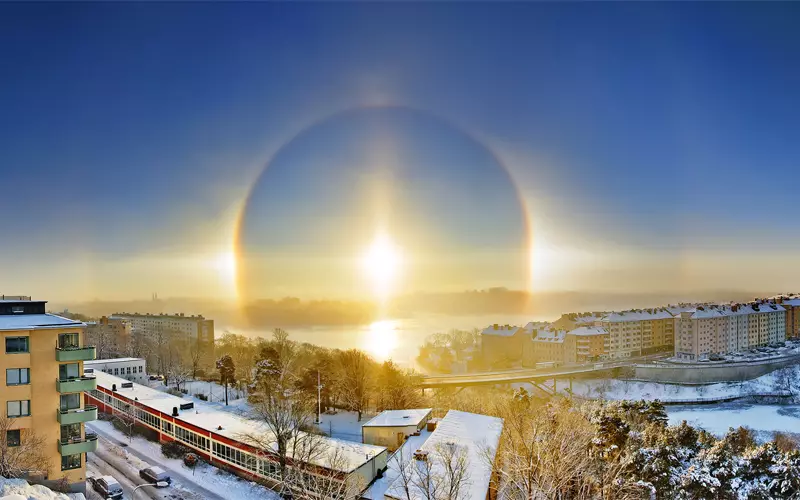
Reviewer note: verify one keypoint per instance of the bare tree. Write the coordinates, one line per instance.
(23, 456)
(355, 379)
(125, 418)
(454, 463)
(195, 356)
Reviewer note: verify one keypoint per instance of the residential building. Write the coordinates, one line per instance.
(585, 344)
(791, 303)
(502, 344)
(472, 436)
(390, 428)
(546, 346)
(110, 336)
(220, 437)
(38, 349)
(133, 369)
(639, 332)
(190, 328)
(712, 329)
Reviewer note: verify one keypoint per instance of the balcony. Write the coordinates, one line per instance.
(77, 384)
(77, 416)
(77, 445)
(85, 353)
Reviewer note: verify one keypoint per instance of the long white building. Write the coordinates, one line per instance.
(716, 329)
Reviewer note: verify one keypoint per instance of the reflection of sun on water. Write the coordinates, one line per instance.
(381, 339)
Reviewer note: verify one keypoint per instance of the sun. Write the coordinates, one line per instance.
(381, 264)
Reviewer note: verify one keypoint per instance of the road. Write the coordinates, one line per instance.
(529, 374)
(96, 466)
(107, 462)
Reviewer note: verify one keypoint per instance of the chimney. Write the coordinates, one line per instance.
(174, 411)
(114, 387)
(495, 326)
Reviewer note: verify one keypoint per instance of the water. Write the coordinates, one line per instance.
(395, 339)
(718, 418)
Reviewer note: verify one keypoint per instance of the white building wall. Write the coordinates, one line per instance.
(133, 369)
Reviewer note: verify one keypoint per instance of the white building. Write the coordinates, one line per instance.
(390, 428)
(133, 369)
(469, 435)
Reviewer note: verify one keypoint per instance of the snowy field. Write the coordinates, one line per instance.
(19, 489)
(237, 400)
(625, 389)
(717, 419)
(206, 476)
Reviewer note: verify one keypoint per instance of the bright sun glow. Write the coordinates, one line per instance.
(225, 264)
(381, 339)
(381, 265)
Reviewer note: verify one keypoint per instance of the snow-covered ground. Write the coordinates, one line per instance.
(399, 459)
(344, 425)
(717, 419)
(237, 400)
(625, 389)
(19, 489)
(210, 481)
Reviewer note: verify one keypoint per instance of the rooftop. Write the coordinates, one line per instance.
(235, 427)
(113, 360)
(156, 316)
(586, 331)
(476, 435)
(501, 330)
(399, 418)
(547, 335)
(36, 321)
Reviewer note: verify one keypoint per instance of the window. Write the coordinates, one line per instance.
(128, 370)
(140, 369)
(15, 345)
(68, 340)
(18, 376)
(71, 462)
(18, 408)
(70, 432)
(70, 401)
(12, 438)
(68, 371)
(116, 371)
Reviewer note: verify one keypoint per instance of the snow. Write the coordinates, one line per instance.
(111, 360)
(233, 426)
(16, 489)
(717, 419)
(626, 389)
(204, 475)
(588, 331)
(478, 435)
(398, 460)
(501, 330)
(237, 400)
(399, 418)
(35, 321)
(343, 425)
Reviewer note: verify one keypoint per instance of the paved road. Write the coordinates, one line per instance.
(183, 489)
(96, 466)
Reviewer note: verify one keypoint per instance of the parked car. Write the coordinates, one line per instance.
(107, 486)
(155, 475)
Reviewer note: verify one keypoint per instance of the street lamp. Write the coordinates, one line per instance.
(160, 484)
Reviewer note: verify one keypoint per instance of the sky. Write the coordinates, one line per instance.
(225, 150)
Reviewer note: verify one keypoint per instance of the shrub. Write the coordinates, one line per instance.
(190, 460)
(201, 396)
(174, 392)
(174, 449)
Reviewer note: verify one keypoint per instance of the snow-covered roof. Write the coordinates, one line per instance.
(399, 418)
(36, 321)
(351, 455)
(501, 330)
(637, 315)
(477, 436)
(547, 335)
(110, 361)
(586, 331)
(716, 311)
(535, 325)
(591, 318)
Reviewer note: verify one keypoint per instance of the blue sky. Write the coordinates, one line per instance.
(130, 133)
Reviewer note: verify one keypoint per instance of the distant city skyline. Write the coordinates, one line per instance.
(549, 147)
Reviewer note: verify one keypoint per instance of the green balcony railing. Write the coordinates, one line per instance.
(78, 445)
(77, 384)
(77, 416)
(85, 353)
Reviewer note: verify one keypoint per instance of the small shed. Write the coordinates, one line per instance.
(390, 428)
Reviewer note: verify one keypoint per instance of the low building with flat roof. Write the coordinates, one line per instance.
(390, 428)
(133, 369)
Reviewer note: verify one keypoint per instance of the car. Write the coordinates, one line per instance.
(107, 487)
(155, 475)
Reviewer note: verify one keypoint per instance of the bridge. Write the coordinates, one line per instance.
(529, 374)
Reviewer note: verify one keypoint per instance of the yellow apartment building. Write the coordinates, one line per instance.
(42, 390)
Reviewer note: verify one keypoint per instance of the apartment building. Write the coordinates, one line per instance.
(585, 344)
(639, 332)
(545, 346)
(502, 343)
(191, 328)
(791, 303)
(718, 329)
(38, 350)
(110, 336)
